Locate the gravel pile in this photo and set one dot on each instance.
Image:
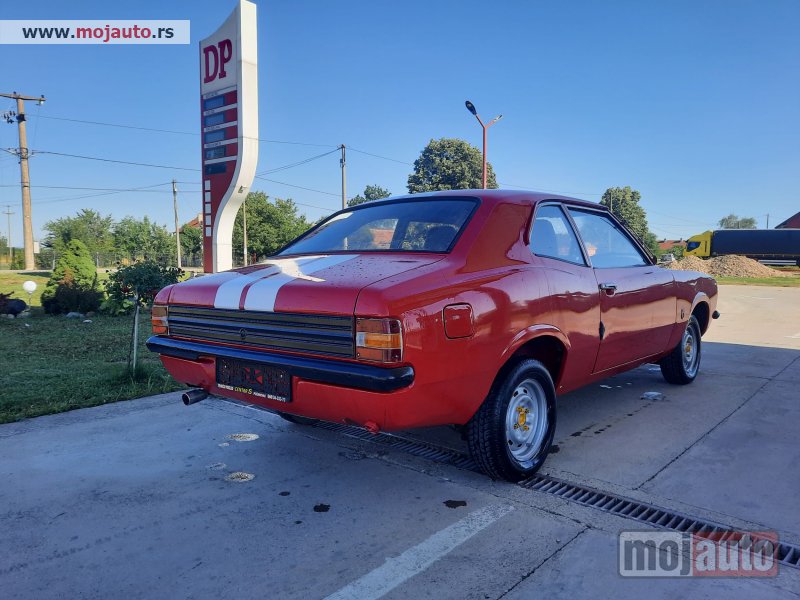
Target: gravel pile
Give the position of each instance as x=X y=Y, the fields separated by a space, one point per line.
x=727 y=266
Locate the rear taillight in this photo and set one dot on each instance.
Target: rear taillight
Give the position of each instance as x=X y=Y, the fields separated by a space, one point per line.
x=379 y=340
x=158 y=318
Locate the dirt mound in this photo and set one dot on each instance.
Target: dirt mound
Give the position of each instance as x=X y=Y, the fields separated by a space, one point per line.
x=689 y=263
x=727 y=266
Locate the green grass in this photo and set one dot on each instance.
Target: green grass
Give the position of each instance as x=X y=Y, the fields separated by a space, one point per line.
x=53 y=364
x=771 y=281
x=12 y=283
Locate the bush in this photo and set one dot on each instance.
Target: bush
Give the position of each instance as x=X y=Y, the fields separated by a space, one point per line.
x=142 y=280
x=70 y=298
x=73 y=284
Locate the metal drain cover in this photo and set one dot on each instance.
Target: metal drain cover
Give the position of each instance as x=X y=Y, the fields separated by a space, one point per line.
x=240 y=477
x=243 y=437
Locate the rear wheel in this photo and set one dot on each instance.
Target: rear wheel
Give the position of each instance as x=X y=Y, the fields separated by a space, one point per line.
x=510 y=435
x=682 y=364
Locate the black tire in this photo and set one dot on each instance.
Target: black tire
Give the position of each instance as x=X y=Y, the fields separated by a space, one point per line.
x=683 y=363
x=297 y=419
x=494 y=434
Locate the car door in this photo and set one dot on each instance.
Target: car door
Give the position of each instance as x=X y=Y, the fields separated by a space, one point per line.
x=573 y=301
x=637 y=298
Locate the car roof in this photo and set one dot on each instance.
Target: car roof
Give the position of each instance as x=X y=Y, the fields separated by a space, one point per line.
x=494 y=197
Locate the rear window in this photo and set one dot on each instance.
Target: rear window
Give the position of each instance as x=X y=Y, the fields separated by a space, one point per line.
x=404 y=226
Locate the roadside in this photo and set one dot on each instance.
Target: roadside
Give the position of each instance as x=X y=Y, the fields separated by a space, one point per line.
x=52 y=364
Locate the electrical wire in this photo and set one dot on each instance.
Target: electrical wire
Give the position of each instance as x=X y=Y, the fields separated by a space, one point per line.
x=300 y=187
x=298 y=163
x=172 y=131
x=402 y=162
x=109 y=193
x=109 y=160
x=95 y=189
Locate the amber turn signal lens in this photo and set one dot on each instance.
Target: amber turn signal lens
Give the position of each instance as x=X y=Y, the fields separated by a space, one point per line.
x=379 y=340
x=158 y=319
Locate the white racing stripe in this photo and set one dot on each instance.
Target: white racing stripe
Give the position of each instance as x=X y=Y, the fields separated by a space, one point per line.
x=230 y=293
x=413 y=561
x=263 y=293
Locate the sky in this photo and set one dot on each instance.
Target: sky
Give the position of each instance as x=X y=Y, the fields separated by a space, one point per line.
x=695 y=104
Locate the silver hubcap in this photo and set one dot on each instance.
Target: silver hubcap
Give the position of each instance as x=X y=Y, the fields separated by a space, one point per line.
x=526 y=420
x=691 y=355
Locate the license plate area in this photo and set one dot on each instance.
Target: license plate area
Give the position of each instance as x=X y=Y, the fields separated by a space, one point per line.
x=254 y=379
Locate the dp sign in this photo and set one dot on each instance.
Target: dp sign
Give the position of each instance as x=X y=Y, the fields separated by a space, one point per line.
x=215 y=57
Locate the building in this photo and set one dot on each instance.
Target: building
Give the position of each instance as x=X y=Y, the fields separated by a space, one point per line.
x=667 y=245
x=792 y=222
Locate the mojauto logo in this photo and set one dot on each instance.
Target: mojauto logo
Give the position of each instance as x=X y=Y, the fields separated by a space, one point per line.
x=682 y=554
x=215 y=57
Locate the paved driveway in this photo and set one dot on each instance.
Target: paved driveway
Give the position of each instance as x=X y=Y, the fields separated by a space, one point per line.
x=149 y=499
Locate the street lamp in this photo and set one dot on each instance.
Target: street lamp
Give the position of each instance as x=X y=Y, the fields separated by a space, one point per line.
x=471 y=108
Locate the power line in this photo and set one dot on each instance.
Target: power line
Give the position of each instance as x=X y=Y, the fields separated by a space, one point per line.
x=298 y=163
x=68 y=187
x=109 y=160
x=300 y=187
x=325 y=208
x=120 y=191
x=175 y=132
x=402 y=162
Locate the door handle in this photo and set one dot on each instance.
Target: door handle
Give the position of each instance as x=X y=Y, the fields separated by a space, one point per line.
x=608 y=288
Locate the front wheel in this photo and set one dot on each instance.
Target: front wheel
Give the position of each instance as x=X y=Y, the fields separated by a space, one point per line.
x=681 y=365
x=510 y=435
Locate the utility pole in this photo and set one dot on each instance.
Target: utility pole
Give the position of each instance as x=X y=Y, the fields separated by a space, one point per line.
x=25 y=181
x=343 y=164
x=8 y=212
x=244 y=230
x=177 y=231
x=767 y=220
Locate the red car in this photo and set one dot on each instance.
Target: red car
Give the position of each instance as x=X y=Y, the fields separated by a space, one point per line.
x=467 y=308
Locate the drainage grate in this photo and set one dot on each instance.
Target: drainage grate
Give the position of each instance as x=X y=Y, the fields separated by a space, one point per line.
x=414 y=447
x=788 y=554
x=656 y=516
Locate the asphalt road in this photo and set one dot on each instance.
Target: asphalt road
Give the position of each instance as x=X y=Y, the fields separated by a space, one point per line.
x=139 y=499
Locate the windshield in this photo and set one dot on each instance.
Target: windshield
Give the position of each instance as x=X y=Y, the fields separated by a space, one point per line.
x=425 y=225
x=692 y=246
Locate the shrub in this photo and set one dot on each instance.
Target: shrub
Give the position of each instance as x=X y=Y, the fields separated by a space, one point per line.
x=71 y=298
x=73 y=284
x=142 y=280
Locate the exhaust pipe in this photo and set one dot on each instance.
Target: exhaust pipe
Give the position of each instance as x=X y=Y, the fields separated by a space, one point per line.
x=194 y=396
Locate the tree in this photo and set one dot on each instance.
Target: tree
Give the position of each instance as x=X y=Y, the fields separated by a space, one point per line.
x=89 y=226
x=624 y=203
x=191 y=244
x=449 y=164
x=734 y=222
x=371 y=192
x=73 y=284
x=270 y=226
x=144 y=240
x=140 y=282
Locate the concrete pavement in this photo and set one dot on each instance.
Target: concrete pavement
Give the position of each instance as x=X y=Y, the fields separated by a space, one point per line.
x=135 y=499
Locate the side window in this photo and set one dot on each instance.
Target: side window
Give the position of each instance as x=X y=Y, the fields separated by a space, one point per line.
x=606 y=244
x=552 y=236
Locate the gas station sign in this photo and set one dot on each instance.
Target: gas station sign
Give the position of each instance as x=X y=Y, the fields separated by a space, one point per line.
x=229 y=126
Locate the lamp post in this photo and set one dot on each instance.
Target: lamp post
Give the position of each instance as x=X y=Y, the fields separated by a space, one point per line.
x=471 y=108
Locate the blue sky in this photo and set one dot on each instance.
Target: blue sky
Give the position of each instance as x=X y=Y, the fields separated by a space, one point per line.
x=693 y=103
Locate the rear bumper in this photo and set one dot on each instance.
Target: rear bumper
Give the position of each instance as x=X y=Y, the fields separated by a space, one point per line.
x=352 y=375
